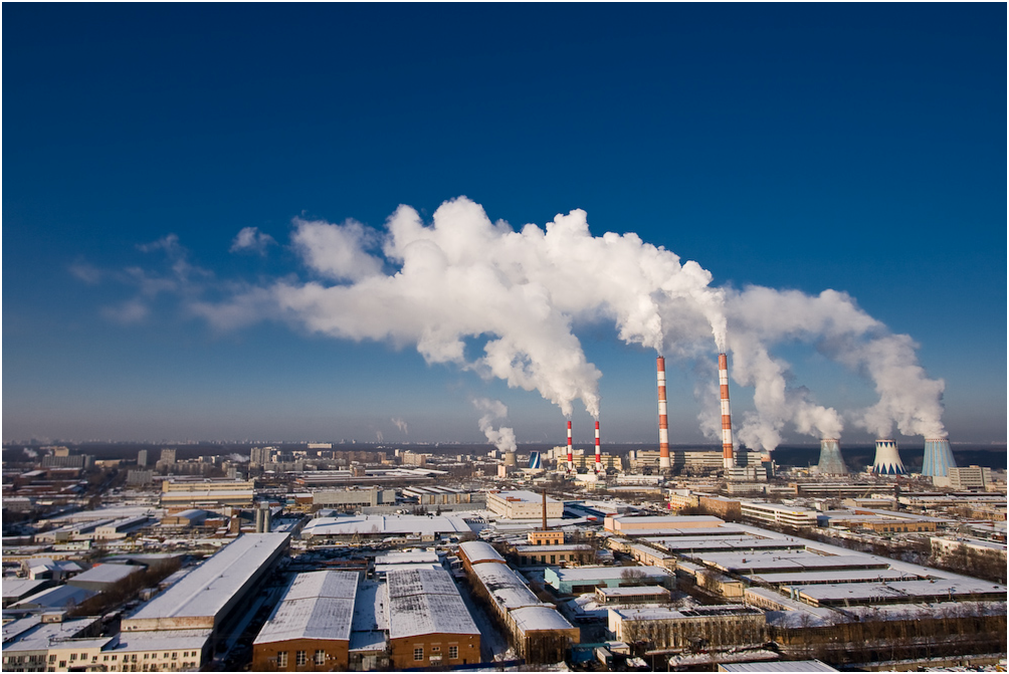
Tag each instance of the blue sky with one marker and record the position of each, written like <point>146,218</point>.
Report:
<point>856,147</point>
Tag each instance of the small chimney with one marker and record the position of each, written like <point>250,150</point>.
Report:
<point>544,508</point>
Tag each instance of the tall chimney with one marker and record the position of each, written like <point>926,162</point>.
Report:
<point>723,385</point>
<point>599,456</point>
<point>664,464</point>
<point>544,508</point>
<point>571,456</point>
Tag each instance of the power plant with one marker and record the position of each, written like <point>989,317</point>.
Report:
<point>831,461</point>
<point>887,461</point>
<point>664,464</point>
<point>938,458</point>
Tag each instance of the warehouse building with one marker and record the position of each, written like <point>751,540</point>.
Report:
<point>103,577</point>
<point>429,625</point>
<point>700,627</point>
<point>309,630</point>
<point>630,525</point>
<point>588,578</point>
<point>536,630</point>
<point>213,594</point>
<point>520,504</point>
<point>353,499</point>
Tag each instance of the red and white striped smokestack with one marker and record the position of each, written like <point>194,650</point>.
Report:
<point>663,419</point>
<point>599,456</point>
<point>723,385</point>
<point>571,456</point>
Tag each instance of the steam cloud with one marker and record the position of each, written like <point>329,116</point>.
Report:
<point>401,425</point>
<point>503,438</point>
<point>503,303</point>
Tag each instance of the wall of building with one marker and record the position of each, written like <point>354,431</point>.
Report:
<point>435,650</point>
<point>334,657</point>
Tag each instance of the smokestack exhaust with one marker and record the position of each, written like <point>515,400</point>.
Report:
<point>723,384</point>
<point>664,464</point>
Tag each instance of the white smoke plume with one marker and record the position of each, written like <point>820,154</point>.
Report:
<point>505,304</point>
<point>838,328</point>
<point>379,436</point>
<point>401,425</point>
<point>237,458</point>
<point>30,453</point>
<point>503,438</point>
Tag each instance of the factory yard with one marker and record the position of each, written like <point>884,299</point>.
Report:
<point>463,561</point>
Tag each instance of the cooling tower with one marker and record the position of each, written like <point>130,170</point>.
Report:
<point>509,459</point>
<point>831,462</point>
<point>723,385</point>
<point>664,464</point>
<point>938,458</point>
<point>535,461</point>
<point>887,460</point>
<point>599,458</point>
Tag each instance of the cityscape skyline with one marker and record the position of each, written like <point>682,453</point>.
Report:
<point>199,169</point>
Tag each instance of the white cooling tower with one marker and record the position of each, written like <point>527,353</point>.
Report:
<point>831,462</point>
<point>887,460</point>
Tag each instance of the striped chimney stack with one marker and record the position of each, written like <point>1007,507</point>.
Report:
<point>571,455</point>
<point>723,385</point>
<point>599,456</point>
<point>663,419</point>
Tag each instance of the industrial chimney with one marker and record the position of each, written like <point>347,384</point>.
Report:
<point>599,456</point>
<point>571,455</point>
<point>831,462</point>
<point>938,458</point>
<point>887,461</point>
<point>664,464</point>
<point>723,385</point>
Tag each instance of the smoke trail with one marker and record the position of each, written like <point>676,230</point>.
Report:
<point>401,425</point>
<point>503,438</point>
<point>504,303</point>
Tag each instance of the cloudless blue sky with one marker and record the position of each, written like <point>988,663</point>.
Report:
<point>859,147</point>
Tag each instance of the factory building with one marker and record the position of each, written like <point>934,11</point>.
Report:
<point>588,578</point>
<point>629,525</point>
<point>207,494</point>
<point>429,625</point>
<point>701,627</point>
<point>443,496</point>
<point>211,597</point>
<point>522,504</point>
<point>969,477</point>
<point>775,513</point>
<point>536,630</point>
<point>353,499</point>
<point>309,630</point>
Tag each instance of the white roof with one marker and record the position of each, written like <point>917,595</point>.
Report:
<point>316,605</point>
<point>208,588</point>
<point>56,597</point>
<point>106,573</point>
<point>505,586</point>
<point>771,666</point>
<point>480,551</point>
<point>14,588</point>
<point>607,572</point>
<point>536,618</point>
<point>162,640</point>
<point>426,601</point>
<point>419,557</point>
<point>385,525</point>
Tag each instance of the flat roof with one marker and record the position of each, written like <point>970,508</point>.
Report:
<point>106,573</point>
<point>607,572</point>
<point>316,605</point>
<point>207,589</point>
<point>909,589</point>
<point>787,560</point>
<point>385,525</point>
<point>162,640</point>
<point>815,577</point>
<point>56,597</point>
<point>779,666</point>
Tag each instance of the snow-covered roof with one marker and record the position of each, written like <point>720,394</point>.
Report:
<point>814,577</point>
<point>505,586</point>
<point>908,589</point>
<point>385,525</point>
<point>426,601</point>
<point>161,640</point>
<point>316,605</point>
<point>538,618</point>
<point>418,557</point>
<point>607,572</point>
<point>106,573</point>
<point>56,597</point>
<point>15,588</point>
<point>480,551</point>
<point>208,588</point>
